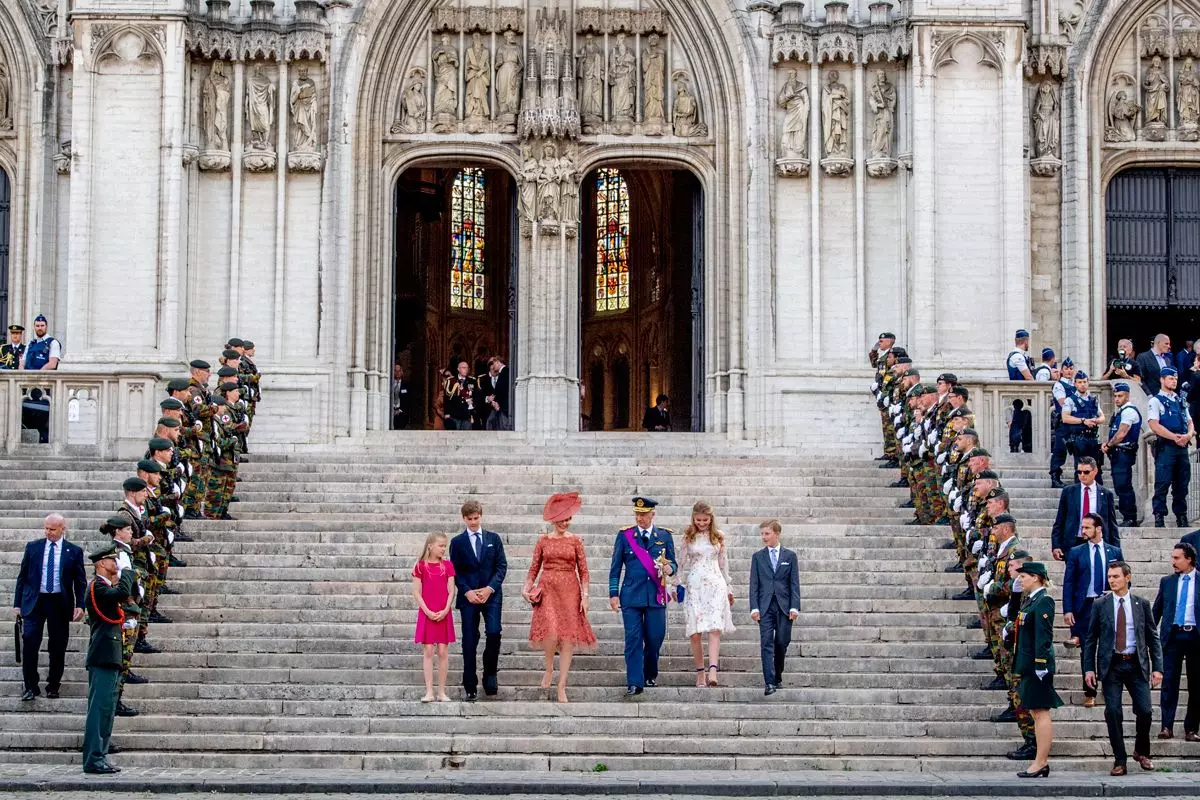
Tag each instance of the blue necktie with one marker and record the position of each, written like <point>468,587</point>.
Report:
<point>50,566</point>
<point>774,560</point>
<point>1181,605</point>
<point>478,537</point>
<point>1097,571</point>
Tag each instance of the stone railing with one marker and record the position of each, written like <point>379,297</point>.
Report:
<point>108,415</point>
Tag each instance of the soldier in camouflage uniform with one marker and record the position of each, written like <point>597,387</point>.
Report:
<point>882,359</point>
<point>893,393</point>
<point>1024,719</point>
<point>993,573</point>
<point>254,380</point>
<point>903,421</point>
<point>225,459</point>
<point>200,407</point>
<point>119,528</point>
<point>161,524</point>
<point>131,510</point>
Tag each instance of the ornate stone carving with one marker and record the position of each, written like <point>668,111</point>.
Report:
<point>1156,88</point>
<point>1122,111</point>
<point>620,20</point>
<point>882,99</point>
<point>445,85</point>
<point>188,154</point>
<point>509,68</point>
<point>215,160</point>
<point>1070,17</point>
<point>445,18</point>
<point>791,45</point>
<point>479,84</point>
<point>591,101</point>
<point>549,187</point>
<point>835,117</point>
<point>548,107</point>
<point>259,161</point>
<point>62,159</point>
<point>1046,121</point>
<point>589,20</point>
<point>1187,96</point>
<point>305,162</point>
<point>991,46</point>
<point>261,97</point>
<point>6,120</point>
<point>794,99</point>
<point>261,43</point>
<point>654,79</point>
<point>214,107</point>
<point>1155,37</point>
<point>687,108</point>
<point>510,19</point>
<point>652,20</point>
<point>621,77</point>
<point>130,45</point>
<point>1046,59</point>
<point>413,104</point>
<point>303,104</point>
<point>479,18</point>
<point>1186,36</point>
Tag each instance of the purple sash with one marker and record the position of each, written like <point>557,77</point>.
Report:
<point>643,556</point>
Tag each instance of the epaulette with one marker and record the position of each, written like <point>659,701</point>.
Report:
<point>668,530</point>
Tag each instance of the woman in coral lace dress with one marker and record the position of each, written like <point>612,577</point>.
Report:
<point>557,586</point>
<point>704,571</point>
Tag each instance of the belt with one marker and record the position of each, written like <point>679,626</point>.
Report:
<point>1125,656</point>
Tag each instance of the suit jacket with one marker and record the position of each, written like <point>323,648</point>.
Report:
<point>654,418</point>
<point>104,604</point>
<point>29,577</point>
<point>1100,642</point>
<point>472,573</point>
<point>1164,605</point>
<point>1193,539</point>
<point>1078,573</point>
<point>1035,643</point>
<point>638,589</point>
<point>498,386</point>
<point>1064,534</point>
<point>783,584</point>
<point>1150,370</point>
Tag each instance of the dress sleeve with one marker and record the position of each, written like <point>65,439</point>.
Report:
<point>535,565</point>
<point>418,572</point>
<point>581,564</point>
<point>723,563</point>
<point>450,573</point>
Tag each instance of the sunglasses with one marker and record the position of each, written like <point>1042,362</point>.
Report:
<point>1084,471</point>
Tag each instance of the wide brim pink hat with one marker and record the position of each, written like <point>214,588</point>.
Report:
<point>562,506</point>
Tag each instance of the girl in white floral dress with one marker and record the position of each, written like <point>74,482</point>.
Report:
<point>707,598</point>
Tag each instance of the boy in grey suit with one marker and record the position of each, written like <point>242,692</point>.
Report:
<point>774,601</point>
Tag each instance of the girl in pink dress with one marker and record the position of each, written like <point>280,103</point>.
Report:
<point>433,589</point>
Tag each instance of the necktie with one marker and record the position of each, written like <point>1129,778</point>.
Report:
<point>1097,571</point>
<point>51,567</point>
<point>1181,603</point>
<point>646,539</point>
<point>477,538</point>
<point>1122,642</point>
<point>774,559</point>
<point>1087,503</point>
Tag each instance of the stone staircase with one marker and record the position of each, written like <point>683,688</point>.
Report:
<point>292,641</point>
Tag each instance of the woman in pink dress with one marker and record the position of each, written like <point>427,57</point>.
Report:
<point>433,589</point>
<point>560,595</point>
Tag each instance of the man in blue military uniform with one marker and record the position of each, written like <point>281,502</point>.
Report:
<point>1063,388</point>
<point>12,351</point>
<point>646,553</point>
<point>1167,416</point>
<point>1020,364</point>
<point>1124,434</point>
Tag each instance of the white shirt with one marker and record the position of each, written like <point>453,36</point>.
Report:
<point>1163,360</point>
<point>1155,408</point>
<point>1070,404</point>
<point>1189,602</point>
<point>1059,390</point>
<point>1128,415</point>
<point>1016,360</point>
<point>1130,631</point>
<point>1043,373</point>
<point>1091,589</point>
<point>56,566</point>
<point>476,546</point>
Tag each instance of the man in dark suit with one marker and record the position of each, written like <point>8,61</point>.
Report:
<point>49,594</point>
<point>1177,609</point>
<point>1121,649</point>
<point>1151,362</point>
<point>400,399</point>
<point>495,388</point>
<point>1086,578</point>
<point>1193,539</point>
<point>774,601</point>
<point>1085,497</point>
<point>479,570</point>
<point>658,416</point>
<point>108,591</point>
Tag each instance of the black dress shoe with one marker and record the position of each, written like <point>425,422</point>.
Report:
<point>1159,521</point>
<point>946,545</point>
<point>633,691</point>
<point>883,458</point>
<point>651,683</point>
<point>900,484</point>
<point>169,590</point>
<point>1007,715</point>
<point>996,684</point>
<point>175,561</point>
<point>1131,522</point>
<point>143,646</point>
<point>955,568</point>
<point>183,537</point>
<point>917,521</point>
<point>235,499</point>
<point>1056,483</point>
<point>891,463</point>
<point>134,678</point>
<point>160,618</point>
<point>1181,521</point>
<point>1044,772</point>
<point>52,694</point>
<point>983,655</point>
<point>908,504</point>
<point>192,515</point>
<point>490,686</point>
<point>944,521</point>
<point>1026,751</point>
<point>779,682</point>
<point>125,711</point>
<point>101,769</point>
<point>113,749</point>
<point>974,624</point>
<point>770,690</point>
<point>965,594</point>
<point>470,697</point>
<point>29,695</point>
<point>225,517</point>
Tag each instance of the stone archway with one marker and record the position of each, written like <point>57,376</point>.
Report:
<point>680,50</point>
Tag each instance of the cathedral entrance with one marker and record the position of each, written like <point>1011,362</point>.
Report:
<point>455,279</point>
<point>5,224</point>
<point>1152,222</point>
<point>642,295</point>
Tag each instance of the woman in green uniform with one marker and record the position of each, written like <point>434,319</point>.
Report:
<point>1034,662</point>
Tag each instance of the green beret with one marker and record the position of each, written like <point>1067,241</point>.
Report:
<point>199,364</point>
<point>246,343</point>
<point>219,401</point>
<point>108,551</point>
<point>229,386</point>
<point>969,432</point>
<point>178,385</point>
<point>980,452</point>
<point>235,342</point>
<point>117,521</point>
<point>149,465</point>
<point>1004,519</point>
<point>168,422</point>
<point>996,492</point>
<point>1017,554</point>
<point>134,484</point>
<point>987,474</point>
<point>171,404</point>
<point>226,372</point>
<point>159,443</point>
<point>230,354</point>
<point>1035,568</point>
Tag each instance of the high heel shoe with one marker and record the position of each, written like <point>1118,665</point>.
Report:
<point>712,677</point>
<point>1044,772</point>
<point>700,681</point>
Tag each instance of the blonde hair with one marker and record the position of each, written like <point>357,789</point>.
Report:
<point>429,540</point>
<point>716,537</point>
<point>771,524</point>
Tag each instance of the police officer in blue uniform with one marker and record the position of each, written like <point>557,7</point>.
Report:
<point>1020,364</point>
<point>1064,387</point>
<point>1124,433</point>
<point>44,352</point>
<point>641,597</point>
<point>1168,418</point>
<point>1082,420</point>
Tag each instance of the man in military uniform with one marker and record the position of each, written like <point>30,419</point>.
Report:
<point>898,364</point>
<point>223,477</point>
<point>994,590</point>
<point>1016,712</point>
<point>107,591</point>
<point>159,524</point>
<point>200,411</point>
<point>881,359</point>
<point>642,552</point>
<point>126,536</point>
<point>13,351</point>
<point>460,399</point>
<point>253,379</point>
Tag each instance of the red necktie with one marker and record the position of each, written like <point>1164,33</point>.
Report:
<point>1087,505</point>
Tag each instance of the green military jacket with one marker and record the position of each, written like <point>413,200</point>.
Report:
<point>1001,587</point>
<point>1035,645</point>
<point>104,617</point>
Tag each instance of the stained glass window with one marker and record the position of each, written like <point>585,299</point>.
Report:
<point>612,241</point>
<point>467,229</point>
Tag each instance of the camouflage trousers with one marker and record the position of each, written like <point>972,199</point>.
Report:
<point>1024,718</point>
<point>220,489</point>
<point>919,484</point>
<point>995,633</point>
<point>129,638</point>
<point>193,495</point>
<point>890,446</point>
<point>939,508</point>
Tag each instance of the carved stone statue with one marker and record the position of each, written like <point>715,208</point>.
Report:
<point>527,198</point>
<point>1122,118</point>
<point>687,110</point>
<point>479,82</point>
<point>621,76</point>
<point>568,178</point>
<point>591,102</point>
<point>1156,87</point>
<point>413,104</point>
<point>794,99</point>
<point>883,104</point>
<point>654,78</point>
<point>6,121</point>
<point>835,117</point>
<point>445,78</point>
<point>214,107</point>
<point>260,108</point>
<point>303,103</point>
<point>549,189</point>
<point>1188,95</point>
<point>1046,122</point>
<point>509,69</point>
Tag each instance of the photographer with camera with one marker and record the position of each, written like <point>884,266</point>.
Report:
<point>1082,418</point>
<point>1123,367</point>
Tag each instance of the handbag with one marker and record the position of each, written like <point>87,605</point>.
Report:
<point>535,596</point>
<point>680,591</point>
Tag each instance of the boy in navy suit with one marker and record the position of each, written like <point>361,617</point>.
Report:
<point>642,596</point>
<point>774,601</point>
<point>479,570</point>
